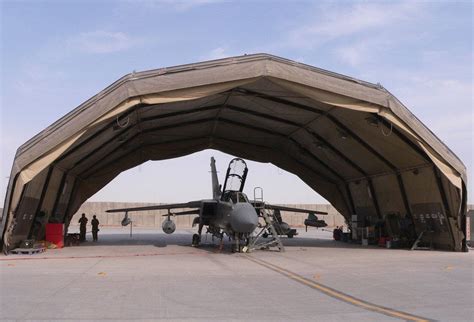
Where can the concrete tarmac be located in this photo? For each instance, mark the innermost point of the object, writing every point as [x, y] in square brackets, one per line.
[152, 276]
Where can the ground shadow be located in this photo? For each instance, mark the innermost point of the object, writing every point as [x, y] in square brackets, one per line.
[184, 238]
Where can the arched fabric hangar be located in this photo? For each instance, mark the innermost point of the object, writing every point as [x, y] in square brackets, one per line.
[351, 141]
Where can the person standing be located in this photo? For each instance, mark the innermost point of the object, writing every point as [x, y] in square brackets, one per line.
[82, 228]
[95, 228]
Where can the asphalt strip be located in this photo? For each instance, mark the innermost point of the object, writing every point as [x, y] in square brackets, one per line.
[337, 294]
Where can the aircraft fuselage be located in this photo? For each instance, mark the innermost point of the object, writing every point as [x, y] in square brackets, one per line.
[231, 217]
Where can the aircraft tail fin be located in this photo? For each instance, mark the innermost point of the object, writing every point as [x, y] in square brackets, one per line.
[216, 188]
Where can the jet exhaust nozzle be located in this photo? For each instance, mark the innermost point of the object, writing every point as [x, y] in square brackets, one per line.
[168, 226]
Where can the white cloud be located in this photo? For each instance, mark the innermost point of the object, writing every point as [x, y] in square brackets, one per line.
[189, 4]
[435, 94]
[217, 53]
[357, 53]
[331, 22]
[36, 78]
[363, 51]
[102, 42]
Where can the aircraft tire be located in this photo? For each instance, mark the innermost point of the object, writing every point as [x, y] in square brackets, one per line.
[196, 240]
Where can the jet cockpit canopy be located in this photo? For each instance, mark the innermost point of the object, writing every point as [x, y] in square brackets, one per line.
[234, 196]
[235, 176]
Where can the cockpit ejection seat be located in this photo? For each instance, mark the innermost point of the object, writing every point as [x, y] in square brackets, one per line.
[235, 181]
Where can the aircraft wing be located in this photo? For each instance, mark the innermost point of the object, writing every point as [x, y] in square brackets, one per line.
[291, 209]
[187, 212]
[191, 204]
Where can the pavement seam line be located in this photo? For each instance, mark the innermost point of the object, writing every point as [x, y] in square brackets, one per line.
[339, 295]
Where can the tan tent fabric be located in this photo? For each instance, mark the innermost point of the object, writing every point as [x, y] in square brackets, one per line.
[431, 140]
[330, 98]
[322, 126]
[446, 169]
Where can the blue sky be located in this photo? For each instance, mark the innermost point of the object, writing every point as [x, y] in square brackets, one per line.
[57, 54]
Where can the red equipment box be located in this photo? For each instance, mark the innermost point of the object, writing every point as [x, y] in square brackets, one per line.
[55, 234]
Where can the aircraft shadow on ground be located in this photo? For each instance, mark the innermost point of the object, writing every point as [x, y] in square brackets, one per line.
[184, 239]
[157, 240]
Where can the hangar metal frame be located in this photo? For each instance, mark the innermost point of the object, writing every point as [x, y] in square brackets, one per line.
[322, 126]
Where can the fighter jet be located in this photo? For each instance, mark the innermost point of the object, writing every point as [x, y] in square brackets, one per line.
[229, 212]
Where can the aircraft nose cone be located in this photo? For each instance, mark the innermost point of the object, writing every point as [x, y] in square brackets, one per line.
[244, 219]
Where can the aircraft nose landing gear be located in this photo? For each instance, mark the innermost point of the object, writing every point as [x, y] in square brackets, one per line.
[196, 240]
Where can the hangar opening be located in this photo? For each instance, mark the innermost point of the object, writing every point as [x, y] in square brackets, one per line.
[351, 141]
[189, 178]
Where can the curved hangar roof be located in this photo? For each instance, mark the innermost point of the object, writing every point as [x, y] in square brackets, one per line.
[351, 141]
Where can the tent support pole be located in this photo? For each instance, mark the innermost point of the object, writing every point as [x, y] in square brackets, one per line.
[67, 220]
[447, 210]
[463, 218]
[374, 198]
[43, 194]
[59, 193]
[401, 185]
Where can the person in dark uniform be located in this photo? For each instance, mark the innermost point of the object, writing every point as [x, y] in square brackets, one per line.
[95, 227]
[337, 233]
[82, 227]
